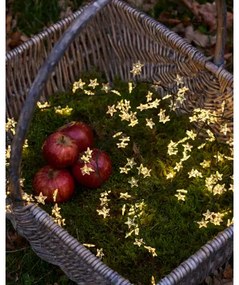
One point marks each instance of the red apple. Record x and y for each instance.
(48, 179)
(94, 173)
(80, 132)
(60, 150)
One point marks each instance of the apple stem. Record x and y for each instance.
(63, 139)
(51, 173)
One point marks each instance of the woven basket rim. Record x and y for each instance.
(180, 42)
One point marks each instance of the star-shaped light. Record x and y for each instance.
(130, 87)
(201, 145)
(93, 83)
(122, 144)
(151, 250)
(105, 87)
(55, 194)
(125, 195)
(86, 169)
(217, 219)
(117, 134)
(130, 223)
(168, 96)
(150, 123)
(162, 116)
(154, 104)
(219, 189)
(205, 163)
(124, 170)
(89, 92)
(123, 210)
(137, 68)
(219, 156)
(40, 198)
(130, 162)
(179, 80)
(56, 211)
(180, 196)
(133, 122)
(63, 111)
(170, 175)
(187, 147)
(86, 157)
(104, 201)
(139, 242)
(27, 197)
(115, 92)
(43, 105)
(125, 116)
(104, 212)
(88, 151)
(178, 166)
(202, 223)
(89, 244)
(100, 253)
(111, 110)
(224, 129)
(208, 215)
(191, 134)
(144, 170)
(149, 96)
(142, 107)
(194, 173)
(78, 84)
(133, 182)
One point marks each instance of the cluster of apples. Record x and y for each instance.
(71, 158)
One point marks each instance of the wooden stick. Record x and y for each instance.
(221, 32)
(36, 90)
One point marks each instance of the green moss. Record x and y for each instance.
(33, 15)
(166, 224)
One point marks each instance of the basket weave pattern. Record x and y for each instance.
(55, 245)
(114, 39)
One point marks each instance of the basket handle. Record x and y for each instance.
(35, 91)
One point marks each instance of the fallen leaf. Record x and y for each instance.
(14, 241)
(24, 38)
(198, 38)
(165, 18)
(8, 23)
(179, 29)
(228, 272)
(228, 56)
(15, 39)
(207, 13)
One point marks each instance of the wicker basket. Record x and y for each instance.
(109, 37)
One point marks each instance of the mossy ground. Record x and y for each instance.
(167, 224)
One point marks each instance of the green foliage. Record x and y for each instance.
(33, 15)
